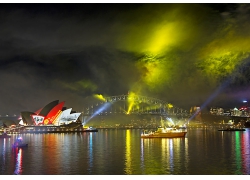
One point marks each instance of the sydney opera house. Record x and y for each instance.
(53, 113)
(52, 118)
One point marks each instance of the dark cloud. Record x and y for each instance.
(174, 52)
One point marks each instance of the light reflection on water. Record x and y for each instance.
(245, 153)
(18, 154)
(128, 153)
(3, 154)
(120, 152)
(169, 154)
(90, 153)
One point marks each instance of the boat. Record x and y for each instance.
(165, 132)
(19, 143)
(90, 129)
(232, 129)
(161, 132)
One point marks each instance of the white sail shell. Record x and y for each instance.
(64, 115)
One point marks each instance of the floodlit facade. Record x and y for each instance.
(51, 114)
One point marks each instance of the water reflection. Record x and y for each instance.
(186, 155)
(90, 153)
(128, 153)
(168, 151)
(19, 157)
(171, 154)
(52, 143)
(3, 156)
(245, 153)
(142, 155)
(120, 152)
(237, 153)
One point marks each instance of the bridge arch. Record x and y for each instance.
(136, 104)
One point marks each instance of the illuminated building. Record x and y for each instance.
(51, 114)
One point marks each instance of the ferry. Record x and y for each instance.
(164, 133)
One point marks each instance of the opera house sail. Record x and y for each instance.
(53, 117)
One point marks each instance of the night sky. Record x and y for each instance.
(186, 54)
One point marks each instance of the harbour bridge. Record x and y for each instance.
(133, 105)
(139, 108)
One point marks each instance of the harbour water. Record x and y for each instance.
(204, 151)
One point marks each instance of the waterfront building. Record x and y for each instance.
(51, 114)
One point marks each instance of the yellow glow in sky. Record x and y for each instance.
(100, 97)
(155, 71)
(161, 38)
(131, 101)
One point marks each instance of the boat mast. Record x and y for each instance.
(162, 122)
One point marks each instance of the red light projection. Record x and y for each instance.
(53, 114)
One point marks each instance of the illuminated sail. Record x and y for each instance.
(73, 117)
(64, 115)
(54, 113)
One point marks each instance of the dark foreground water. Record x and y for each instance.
(123, 152)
